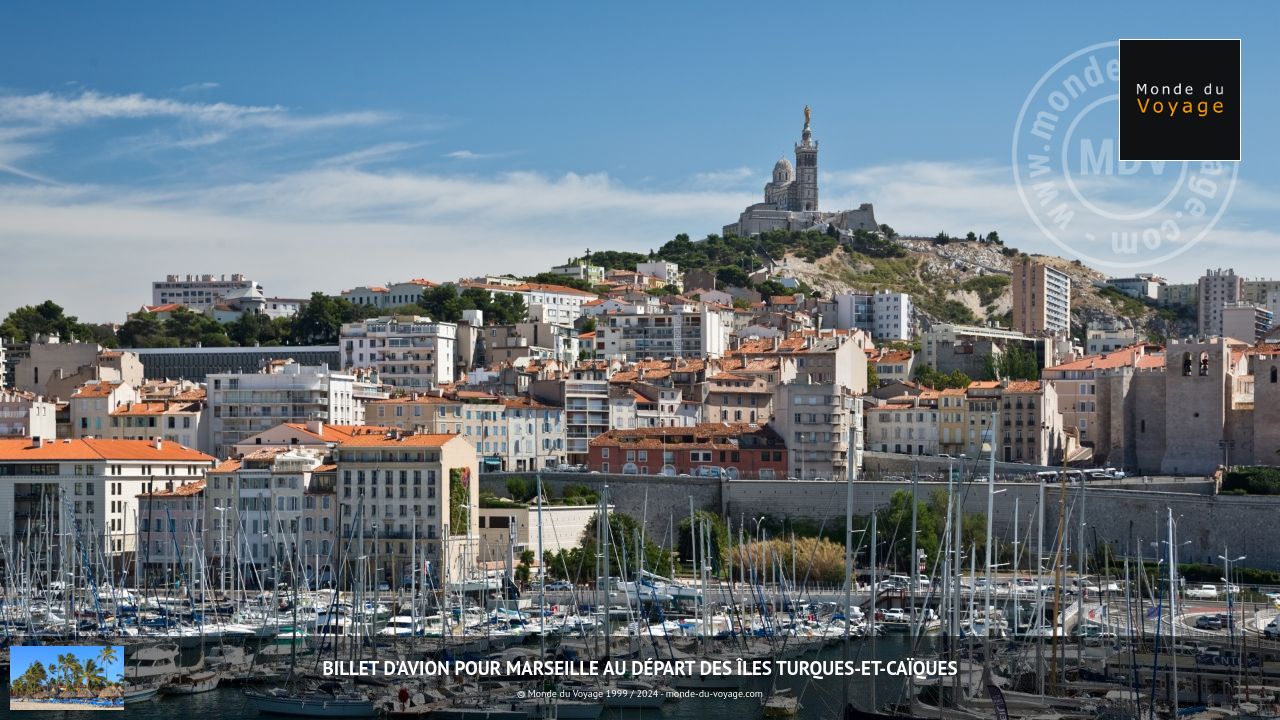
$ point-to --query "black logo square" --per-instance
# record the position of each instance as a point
(1180, 100)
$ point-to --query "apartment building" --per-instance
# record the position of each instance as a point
(1245, 321)
(391, 295)
(1108, 337)
(394, 488)
(170, 532)
(242, 405)
(24, 414)
(508, 433)
(1030, 427)
(584, 394)
(1215, 290)
(494, 346)
(55, 369)
(737, 398)
(907, 424)
(405, 351)
(1041, 298)
(1144, 286)
(68, 491)
(690, 330)
(198, 292)
(255, 515)
(819, 356)
(817, 421)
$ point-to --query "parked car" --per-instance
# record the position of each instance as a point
(559, 585)
(1208, 622)
(1272, 630)
(895, 615)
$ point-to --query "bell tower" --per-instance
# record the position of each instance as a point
(806, 182)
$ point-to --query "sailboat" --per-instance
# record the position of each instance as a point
(327, 700)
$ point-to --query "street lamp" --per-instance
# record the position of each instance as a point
(1226, 579)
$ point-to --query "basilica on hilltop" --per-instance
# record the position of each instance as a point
(791, 198)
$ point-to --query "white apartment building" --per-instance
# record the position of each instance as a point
(255, 512)
(91, 485)
(24, 414)
(388, 296)
(405, 351)
(891, 313)
(508, 433)
(692, 330)
(245, 404)
(1101, 338)
(198, 292)
(667, 272)
(584, 395)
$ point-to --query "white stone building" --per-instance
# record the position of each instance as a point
(405, 351)
(24, 414)
(198, 292)
(245, 404)
(92, 482)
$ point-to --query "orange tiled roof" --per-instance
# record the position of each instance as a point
(397, 440)
(340, 433)
(166, 307)
(95, 390)
(1124, 357)
(98, 449)
(1023, 386)
(227, 466)
(183, 490)
(153, 408)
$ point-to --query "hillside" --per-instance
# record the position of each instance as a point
(951, 279)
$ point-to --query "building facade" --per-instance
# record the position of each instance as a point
(1215, 290)
(405, 351)
(1041, 298)
(198, 292)
(245, 404)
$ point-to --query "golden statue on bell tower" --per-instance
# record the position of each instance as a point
(806, 114)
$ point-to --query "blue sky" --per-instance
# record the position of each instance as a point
(324, 146)
(23, 655)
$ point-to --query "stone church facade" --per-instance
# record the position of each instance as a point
(791, 198)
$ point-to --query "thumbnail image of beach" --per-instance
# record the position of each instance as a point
(66, 677)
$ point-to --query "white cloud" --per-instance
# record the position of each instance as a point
(50, 110)
(469, 155)
(732, 179)
(198, 87)
(365, 156)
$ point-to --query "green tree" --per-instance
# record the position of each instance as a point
(442, 303)
(47, 318)
(894, 527)
(459, 500)
(320, 321)
(873, 377)
(521, 488)
(141, 330)
(719, 540)
(1015, 363)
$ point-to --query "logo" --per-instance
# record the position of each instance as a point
(1107, 211)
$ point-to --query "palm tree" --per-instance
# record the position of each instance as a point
(92, 675)
(107, 655)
